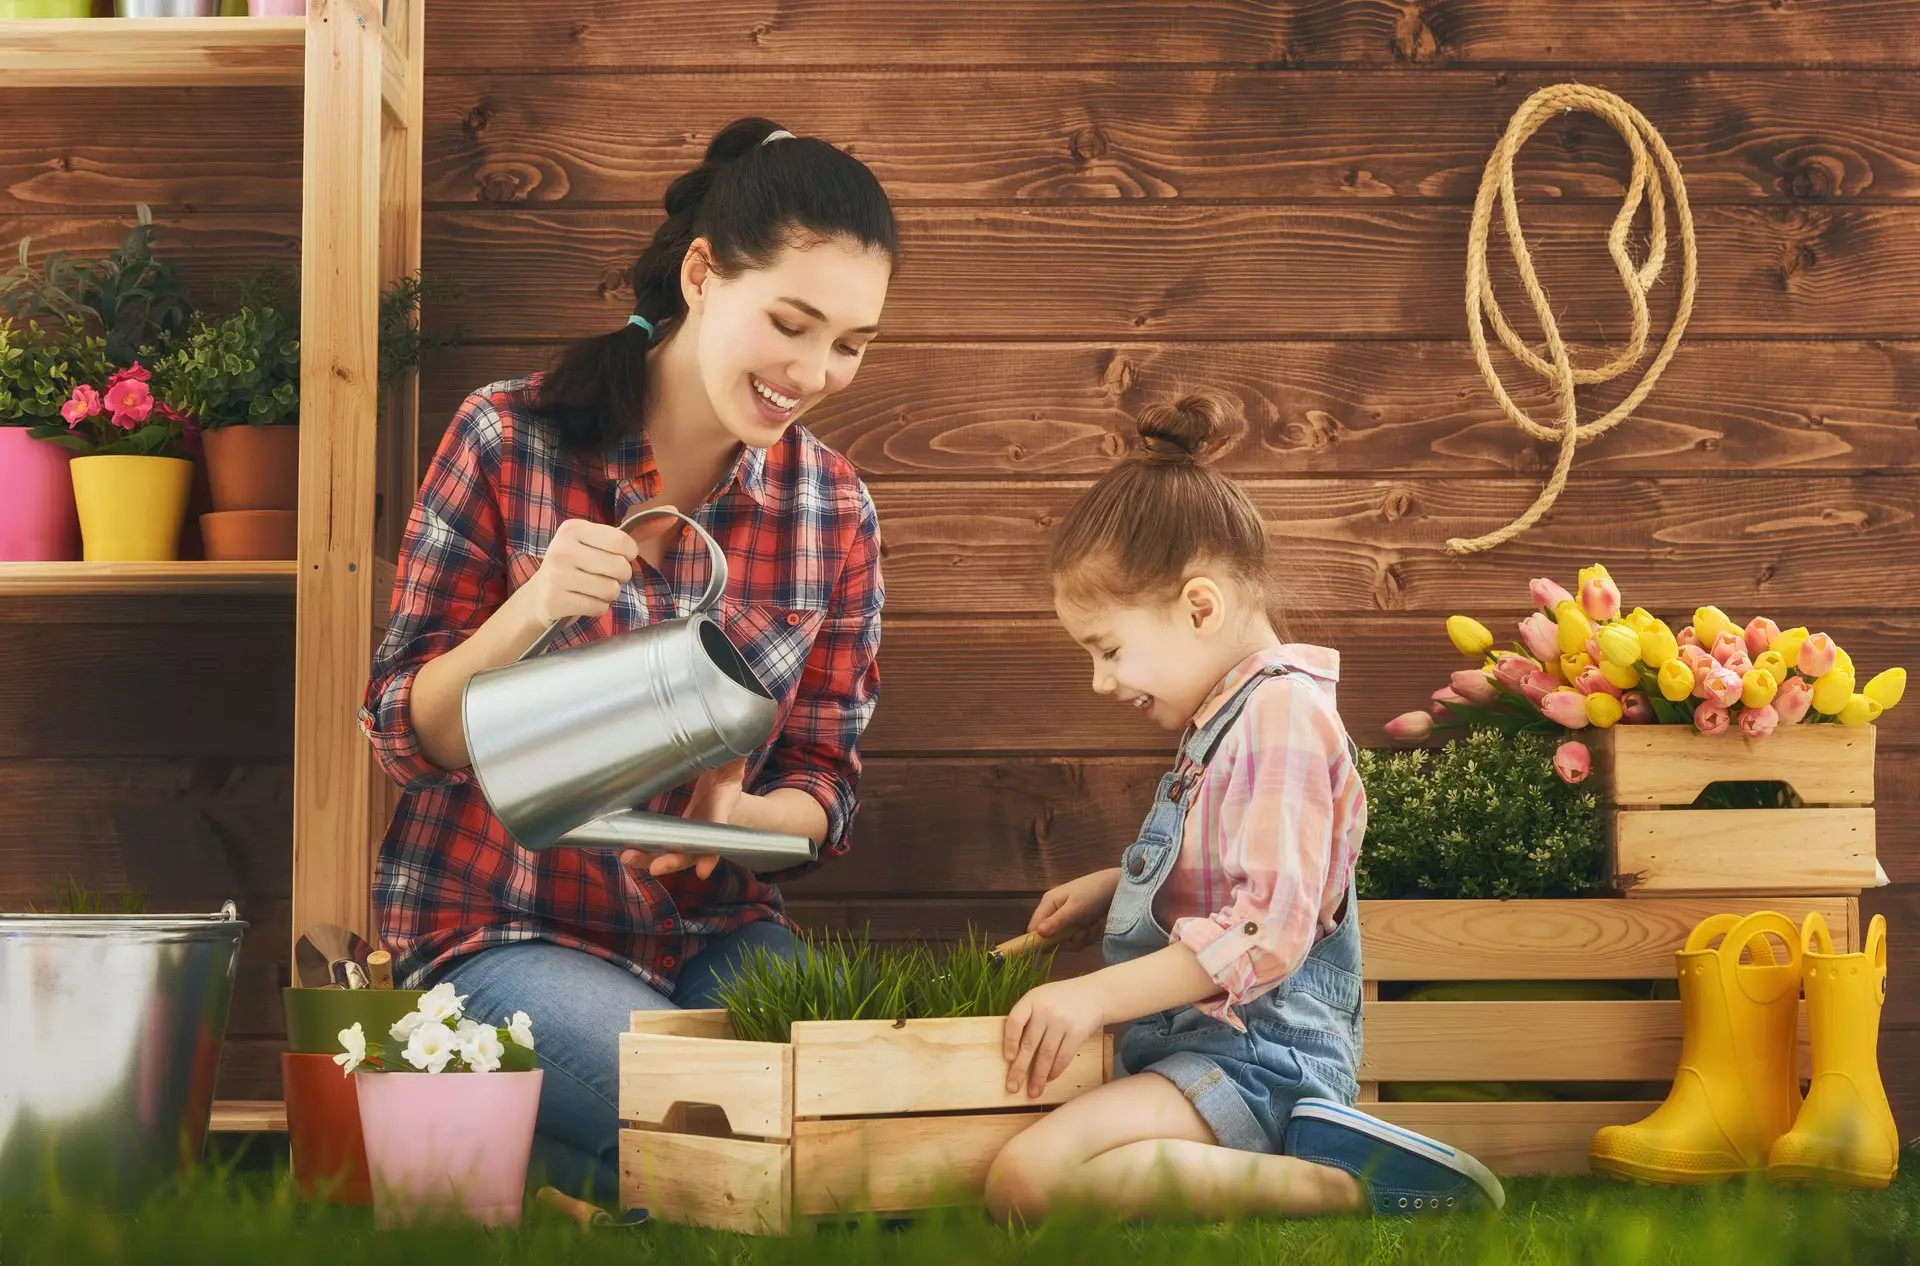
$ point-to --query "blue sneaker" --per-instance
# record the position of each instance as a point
(1403, 1172)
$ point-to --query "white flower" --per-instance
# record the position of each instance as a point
(430, 1047)
(353, 1048)
(440, 1003)
(480, 1047)
(520, 1029)
(403, 1027)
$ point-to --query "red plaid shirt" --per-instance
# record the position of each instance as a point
(803, 604)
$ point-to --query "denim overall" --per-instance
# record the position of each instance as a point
(1302, 1037)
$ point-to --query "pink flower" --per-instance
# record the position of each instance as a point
(1738, 662)
(1565, 707)
(81, 405)
(1591, 680)
(130, 401)
(1722, 687)
(1795, 696)
(1410, 727)
(1538, 685)
(1539, 634)
(1474, 686)
(135, 372)
(1686, 637)
(1817, 655)
(1513, 671)
(1441, 698)
(1711, 718)
(1760, 634)
(1600, 599)
(1726, 644)
(1592, 649)
(1547, 594)
(1758, 722)
(1636, 708)
(1573, 762)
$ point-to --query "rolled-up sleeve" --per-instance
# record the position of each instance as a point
(1271, 820)
(818, 749)
(451, 577)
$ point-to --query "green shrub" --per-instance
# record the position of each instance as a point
(237, 370)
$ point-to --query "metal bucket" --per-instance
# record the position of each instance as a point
(110, 1034)
(166, 8)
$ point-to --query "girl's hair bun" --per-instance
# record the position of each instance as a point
(1186, 431)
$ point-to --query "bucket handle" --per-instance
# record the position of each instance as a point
(716, 578)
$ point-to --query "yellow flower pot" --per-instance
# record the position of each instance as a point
(131, 508)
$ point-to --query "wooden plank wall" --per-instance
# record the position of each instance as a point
(1102, 203)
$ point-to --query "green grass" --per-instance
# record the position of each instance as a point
(255, 1218)
(851, 978)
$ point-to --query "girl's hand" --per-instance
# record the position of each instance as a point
(1072, 914)
(716, 794)
(581, 573)
(1047, 1028)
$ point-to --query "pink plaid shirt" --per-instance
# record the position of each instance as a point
(1271, 833)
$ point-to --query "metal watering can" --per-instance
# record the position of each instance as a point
(563, 744)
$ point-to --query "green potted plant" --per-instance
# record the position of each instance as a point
(37, 519)
(133, 300)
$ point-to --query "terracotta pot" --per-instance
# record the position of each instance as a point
(230, 535)
(37, 520)
(253, 467)
(448, 1143)
(131, 508)
(323, 1130)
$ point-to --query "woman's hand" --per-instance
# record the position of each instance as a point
(716, 795)
(1073, 913)
(580, 574)
(1047, 1028)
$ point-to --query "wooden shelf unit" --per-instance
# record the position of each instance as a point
(359, 64)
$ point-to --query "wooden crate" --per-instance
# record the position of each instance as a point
(849, 1116)
(1649, 774)
(1536, 1041)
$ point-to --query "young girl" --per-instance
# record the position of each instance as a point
(1230, 934)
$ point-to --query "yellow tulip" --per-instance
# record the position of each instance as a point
(1625, 676)
(1595, 572)
(1832, 692)
(1571, 666)
(1887, 688)
(1469, 636)
(1658, 644)
(1676, 680)
(1603, 709)
(1775, 663)
(1639, 619)
(1788, 644)
(1619, 645)
(1758, 688)
(1860, 710)
(1709, 623)
(1841, 659)
(1572, 628)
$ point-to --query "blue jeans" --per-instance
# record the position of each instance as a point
(579, 1005)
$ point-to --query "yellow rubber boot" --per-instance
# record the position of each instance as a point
(1737, 1089)
(1845, 1132)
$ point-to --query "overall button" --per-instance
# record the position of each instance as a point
(1137, 865)
(1251, 927)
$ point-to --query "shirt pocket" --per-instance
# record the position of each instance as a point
(774, 639)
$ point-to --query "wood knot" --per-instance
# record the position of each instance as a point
(1390, 588)
(1087, 144)
(612, 282)
(1811, 180)
(1117, 379)
(1398, 504)
(579, 30)
(1015, 453)
(1112, 445)
(476, 120)
(758, 35)
(1413, 40)
(499, 185)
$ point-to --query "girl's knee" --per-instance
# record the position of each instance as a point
(1023, 1178)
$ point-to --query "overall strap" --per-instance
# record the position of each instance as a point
(1199, 749)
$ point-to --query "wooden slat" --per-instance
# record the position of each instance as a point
(706, 1023)
(752, 1082)
(1362, 545)
(1744, 850)
(1666, 765)
(1051, 135)
(571, 34)
(989, 411)
(249, 1116)
(871, 1068)
(88, 53)
(250, 1068)
(897, 1164)
(1516, 1138)
(727, 1184)
(142, 578)
(1119, 271)
(1584, 939)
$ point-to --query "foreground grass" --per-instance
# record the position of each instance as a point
(253, 1218)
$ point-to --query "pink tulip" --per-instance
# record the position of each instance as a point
(1738, 662)
(1592, 649)
(1565, 707)
(1636, 708)
(1711, 718)
(1760, 634)
(1539, 634)
(1758, 722)
(1547, 594)
(1726, 644)
(1573, 762)
(1686, 637)
(83, 404)
(1723, 687)
(1410, 727)
(1591, 680)
(1600, 599)
(1538, 685)
(1441, 698)
(1793, 699)
(1474, 686)
(1512, 671)
(1817, 655)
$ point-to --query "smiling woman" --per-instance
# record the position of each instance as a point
(755, 300)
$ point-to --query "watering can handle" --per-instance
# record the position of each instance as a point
(716, 579)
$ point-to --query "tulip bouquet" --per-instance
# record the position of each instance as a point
(437, 1037)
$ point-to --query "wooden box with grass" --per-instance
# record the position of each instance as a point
(1817, 839)
(753, 1117)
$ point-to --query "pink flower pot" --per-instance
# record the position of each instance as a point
(38, 522)
(448, 1144)
(276, 8)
